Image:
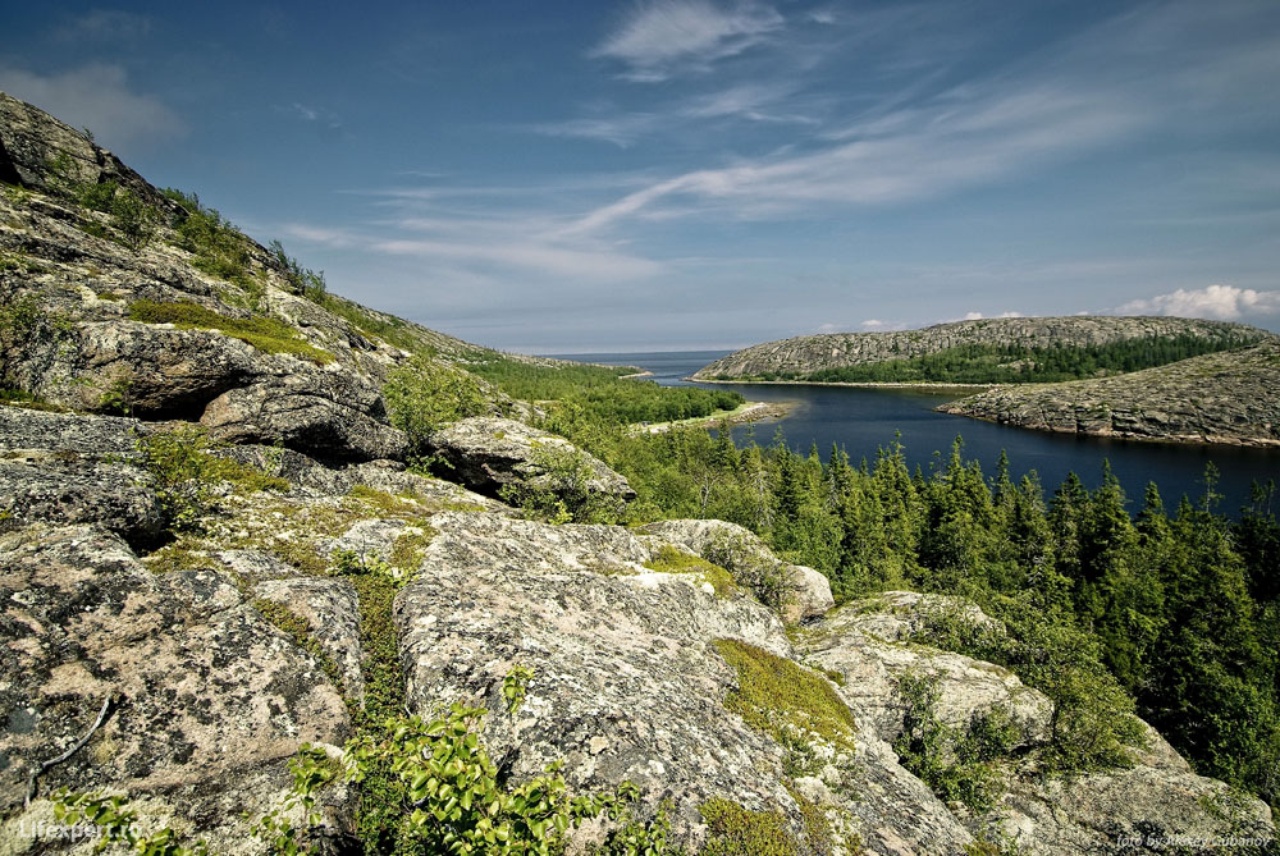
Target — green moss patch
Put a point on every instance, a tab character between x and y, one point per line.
780	697
267	334
736	831
672	561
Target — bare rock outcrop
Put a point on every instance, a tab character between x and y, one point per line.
56	468
628	683
1230	398
309	412
488	454
1156	805
208	700
870	644
801	593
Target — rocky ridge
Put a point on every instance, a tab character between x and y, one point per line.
806	354
211	603
1227	398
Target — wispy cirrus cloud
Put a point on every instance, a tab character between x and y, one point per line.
1218	302
1094	91
962	140
750	102
667	37
458	229
98	97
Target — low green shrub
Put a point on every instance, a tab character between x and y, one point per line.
424	394
669	560
960	766
186	474
735	831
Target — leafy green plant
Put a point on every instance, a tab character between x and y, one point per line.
309	283
135	221
116	398
351	563
186	473
312	770
220	249
560	485
515	686
452	800
118	824
765	576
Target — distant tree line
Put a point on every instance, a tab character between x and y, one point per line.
601	394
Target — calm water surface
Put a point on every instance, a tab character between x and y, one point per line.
863	420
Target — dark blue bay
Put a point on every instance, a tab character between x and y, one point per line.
863	420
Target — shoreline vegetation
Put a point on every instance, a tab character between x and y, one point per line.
919	386
750	411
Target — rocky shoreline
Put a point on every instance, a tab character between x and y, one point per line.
1230	398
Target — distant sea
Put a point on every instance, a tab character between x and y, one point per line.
864	420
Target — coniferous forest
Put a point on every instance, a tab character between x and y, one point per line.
1114	604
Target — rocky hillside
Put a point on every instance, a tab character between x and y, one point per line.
234	614
1231	398
798	358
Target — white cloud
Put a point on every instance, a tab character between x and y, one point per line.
622	131
97	97
873	324
664	37
978	316
1221	302
968	138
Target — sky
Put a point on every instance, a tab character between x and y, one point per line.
564	177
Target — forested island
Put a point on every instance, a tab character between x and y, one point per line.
285	574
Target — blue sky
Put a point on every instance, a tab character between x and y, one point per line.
667	174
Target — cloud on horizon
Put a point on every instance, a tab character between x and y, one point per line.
98	97
1216	302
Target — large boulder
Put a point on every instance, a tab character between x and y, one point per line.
208	701
60	468
628	684
326	415
158	372
488	454
869	643
800	593
1143	809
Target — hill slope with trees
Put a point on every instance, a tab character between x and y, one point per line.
1000	350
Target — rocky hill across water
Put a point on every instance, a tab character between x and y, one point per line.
220	576
1012	343
1228	398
